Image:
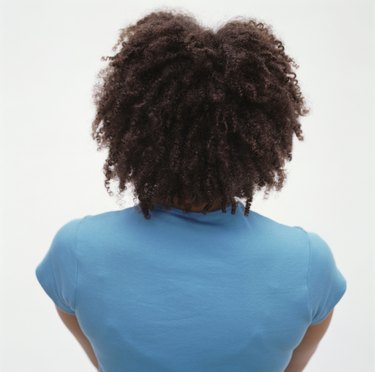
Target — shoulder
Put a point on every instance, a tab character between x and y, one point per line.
319	249
278	230
105	216
91	227
66	234
71	227
322	266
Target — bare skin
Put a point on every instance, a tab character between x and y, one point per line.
72	324
198	207
301	354
307	347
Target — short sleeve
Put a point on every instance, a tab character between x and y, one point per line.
57	271
326	284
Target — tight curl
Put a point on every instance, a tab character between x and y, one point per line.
195	114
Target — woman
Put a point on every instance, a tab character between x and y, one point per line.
193	119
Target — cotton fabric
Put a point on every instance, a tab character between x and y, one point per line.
185	292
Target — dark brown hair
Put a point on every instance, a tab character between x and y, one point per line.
197	114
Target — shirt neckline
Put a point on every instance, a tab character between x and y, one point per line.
215	212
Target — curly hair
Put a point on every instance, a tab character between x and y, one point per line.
197	114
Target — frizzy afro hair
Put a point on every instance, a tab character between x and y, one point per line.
197	114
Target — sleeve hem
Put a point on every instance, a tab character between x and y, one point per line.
51	294
65	310
334	302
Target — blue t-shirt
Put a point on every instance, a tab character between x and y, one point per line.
185	292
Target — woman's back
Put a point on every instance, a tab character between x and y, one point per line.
191	292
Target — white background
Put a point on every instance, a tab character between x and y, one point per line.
51	171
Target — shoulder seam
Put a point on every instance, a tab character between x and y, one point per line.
308	273
308	269
76	259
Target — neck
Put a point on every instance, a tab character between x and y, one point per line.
197	207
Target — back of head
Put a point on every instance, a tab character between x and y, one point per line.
189	112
